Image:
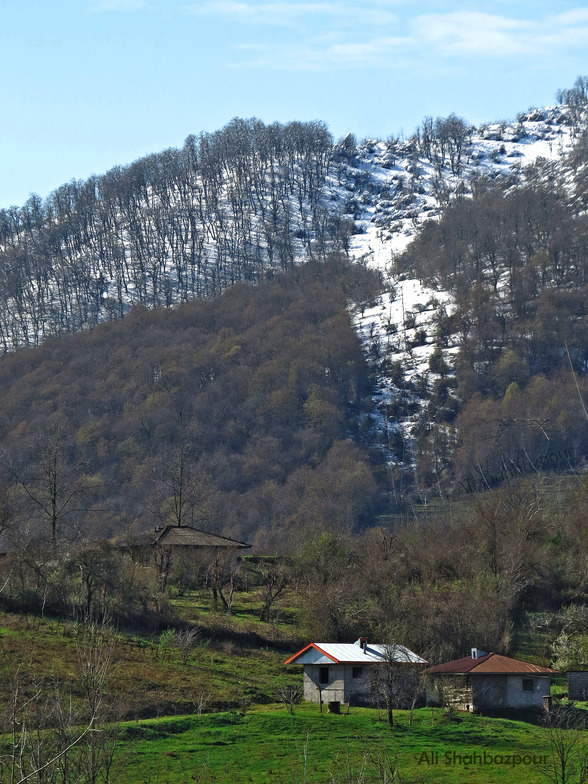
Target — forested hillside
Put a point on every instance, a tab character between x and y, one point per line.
244	406
409	440
476	332
484	378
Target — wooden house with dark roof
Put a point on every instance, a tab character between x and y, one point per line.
489	681
166	544
184	536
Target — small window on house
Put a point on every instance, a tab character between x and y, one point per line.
323	675
527	684
357	672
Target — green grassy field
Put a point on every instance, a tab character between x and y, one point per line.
269	745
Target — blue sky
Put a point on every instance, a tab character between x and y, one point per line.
89	84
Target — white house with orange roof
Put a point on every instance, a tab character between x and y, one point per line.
343	672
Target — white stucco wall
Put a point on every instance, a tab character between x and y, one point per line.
517	698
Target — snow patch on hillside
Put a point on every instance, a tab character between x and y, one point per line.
401	189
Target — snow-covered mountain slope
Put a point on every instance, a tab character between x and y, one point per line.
413	188
401	188
235	204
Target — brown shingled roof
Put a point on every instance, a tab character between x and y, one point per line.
490	664
182	536
187	536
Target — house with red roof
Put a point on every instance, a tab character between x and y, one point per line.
489	681
348	672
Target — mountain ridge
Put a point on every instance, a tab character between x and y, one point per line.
236	204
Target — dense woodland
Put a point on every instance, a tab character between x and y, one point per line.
248	414
245	404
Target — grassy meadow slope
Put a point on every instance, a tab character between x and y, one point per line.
270	745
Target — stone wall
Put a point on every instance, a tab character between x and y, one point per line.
578	685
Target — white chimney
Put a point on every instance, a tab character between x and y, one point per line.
362	642
477	653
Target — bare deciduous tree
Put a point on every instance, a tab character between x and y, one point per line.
54	736
51	481
567	760
275	579
186	640
290	696
397	683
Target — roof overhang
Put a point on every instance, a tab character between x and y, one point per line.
309	647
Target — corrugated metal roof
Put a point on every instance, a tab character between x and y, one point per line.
490	664
351	653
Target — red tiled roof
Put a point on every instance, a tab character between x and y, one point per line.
491	663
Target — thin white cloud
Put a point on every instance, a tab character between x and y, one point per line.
474	33
573	17
491	35
261	13
304	57
454	36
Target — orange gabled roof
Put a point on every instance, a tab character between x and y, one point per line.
306	648
354	653
490	664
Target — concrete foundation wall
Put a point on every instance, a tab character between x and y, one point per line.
342	686
506	691
490	692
